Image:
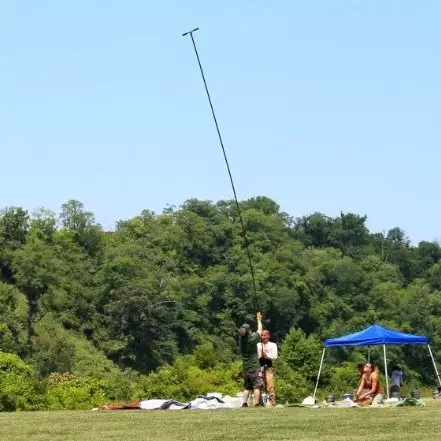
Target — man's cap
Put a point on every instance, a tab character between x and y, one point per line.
244	329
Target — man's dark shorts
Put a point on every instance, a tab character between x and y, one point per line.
252	379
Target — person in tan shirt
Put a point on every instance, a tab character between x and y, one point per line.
267	352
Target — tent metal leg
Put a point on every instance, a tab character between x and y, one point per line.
385	371
319	372
369	354
434	364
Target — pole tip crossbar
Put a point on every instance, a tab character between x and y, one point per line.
190	32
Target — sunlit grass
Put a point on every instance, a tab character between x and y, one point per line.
293	423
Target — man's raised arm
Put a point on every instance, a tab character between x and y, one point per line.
259	322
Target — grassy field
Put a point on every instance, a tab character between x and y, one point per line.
293	423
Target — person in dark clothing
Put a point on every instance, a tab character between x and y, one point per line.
251	372
397	379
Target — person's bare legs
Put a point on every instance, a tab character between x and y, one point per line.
256	397
245	396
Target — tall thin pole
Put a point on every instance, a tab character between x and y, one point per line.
385	370
434	364
319	372
256	300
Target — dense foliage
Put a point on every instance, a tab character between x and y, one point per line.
151	309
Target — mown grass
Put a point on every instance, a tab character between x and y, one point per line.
293	423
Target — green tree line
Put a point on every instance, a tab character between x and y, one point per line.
152	308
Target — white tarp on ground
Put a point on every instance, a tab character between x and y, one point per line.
209	401
161	404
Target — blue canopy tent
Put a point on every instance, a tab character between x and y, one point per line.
373	336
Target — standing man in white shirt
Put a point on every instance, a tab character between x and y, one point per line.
267	352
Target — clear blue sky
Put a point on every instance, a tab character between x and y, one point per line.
324	106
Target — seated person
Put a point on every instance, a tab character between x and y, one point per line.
369	390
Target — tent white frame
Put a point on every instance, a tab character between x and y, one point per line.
385	367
